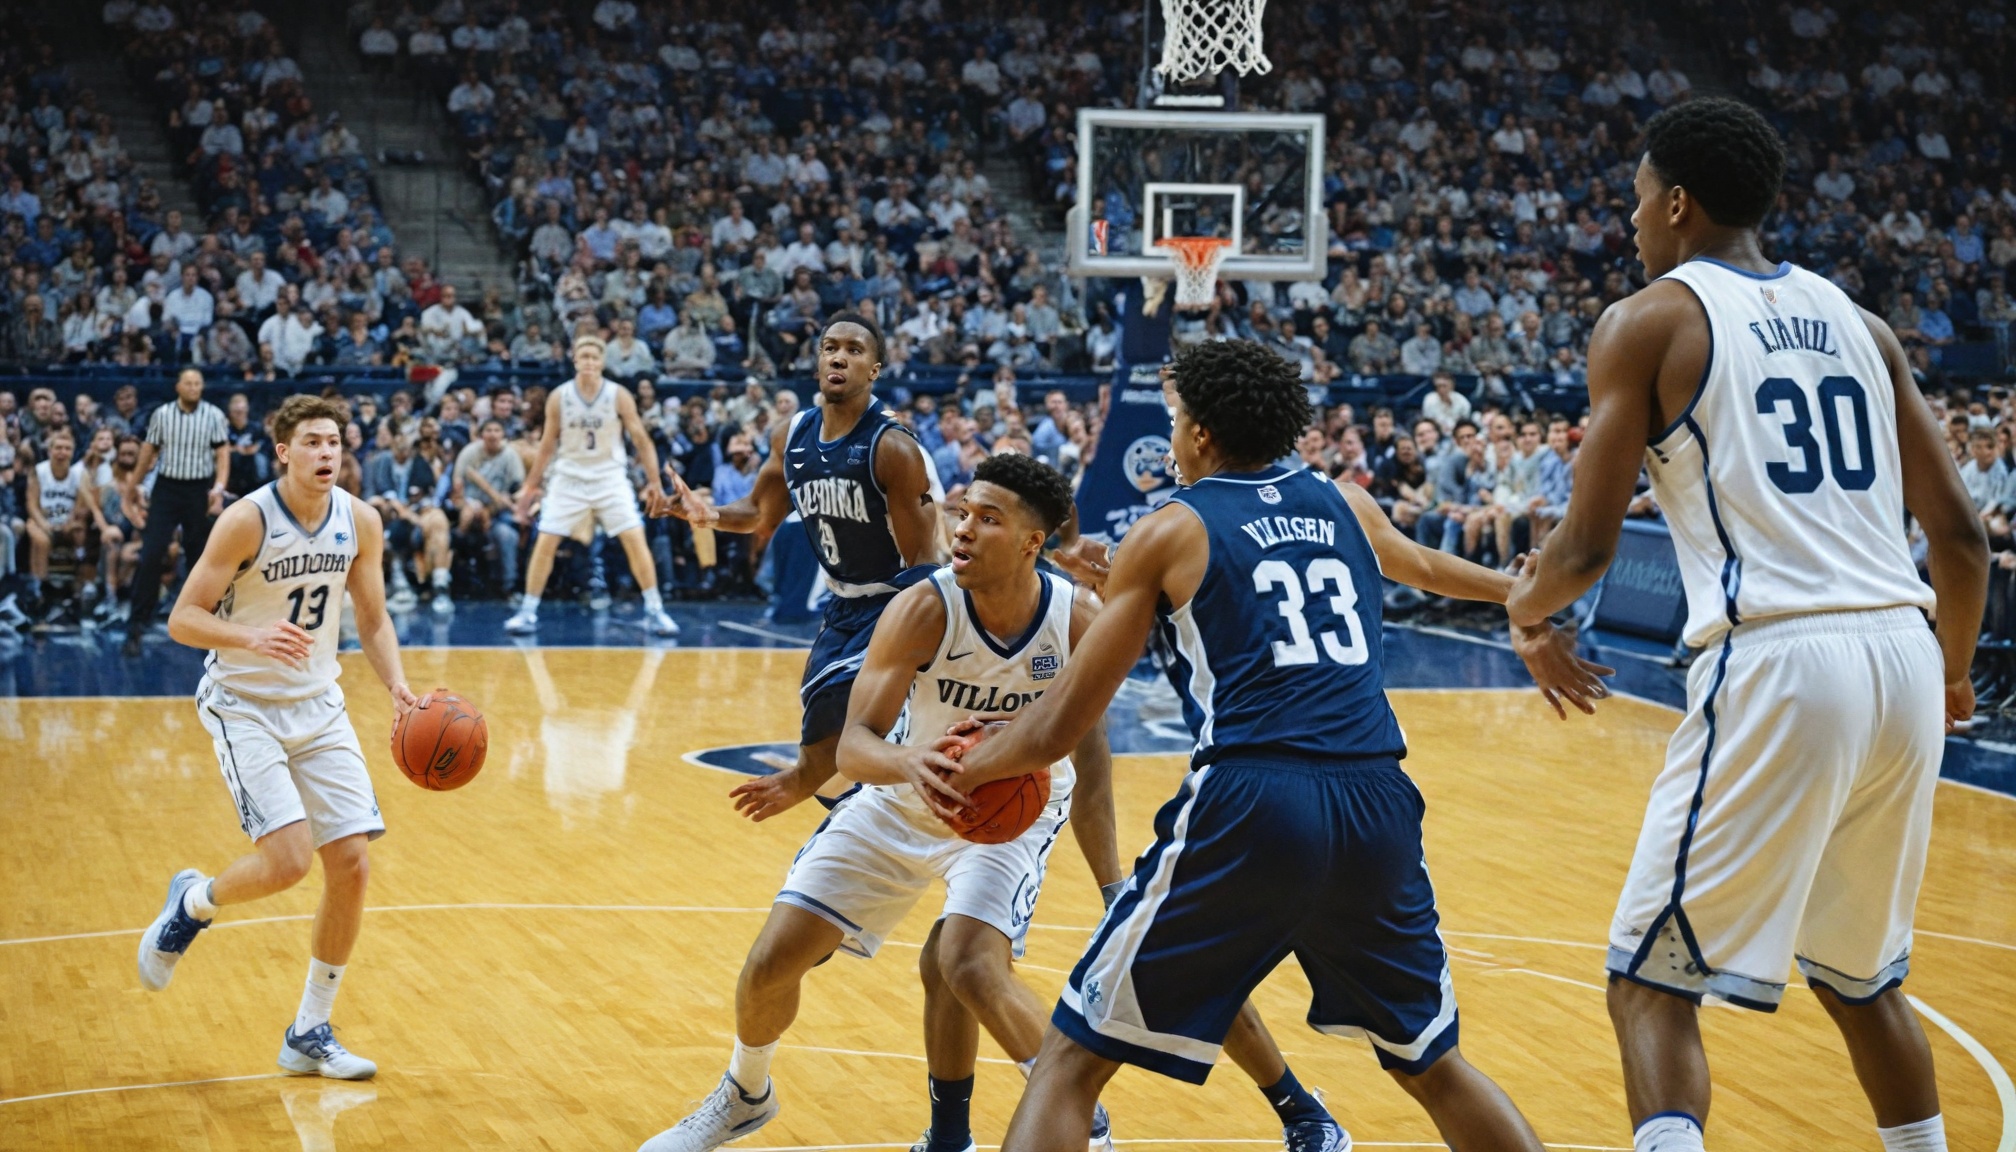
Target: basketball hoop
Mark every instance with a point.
(1196, 260)
(1202, 38)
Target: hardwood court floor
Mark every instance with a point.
(551, 956)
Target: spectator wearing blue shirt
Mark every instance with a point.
(1049, 435)
(1935, 327)
(1557, 482)
(1967, 245)
(656, 318)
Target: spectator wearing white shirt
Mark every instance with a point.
(174, 239)
(327, 201)
(1812, 20)
(379, 45)
(1667, 83)
(982, 75)
(427, 46)
(447, 327)
(1883, 77)
(613, 16)
(290, 335)
(734, 231)
(222, 137)
(189, 309)
(1444, 405)
(259, 286)
(1835, 183)
(945, 211)
(628, 358)
(803, 252)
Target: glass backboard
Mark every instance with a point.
(1254, 178)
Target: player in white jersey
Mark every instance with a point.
(586, 420)
(1786, 440)
(987, 633)
(59, 513)
(266, 598)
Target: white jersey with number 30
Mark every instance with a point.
(1781, 481)
(591, 434)
(298, 575)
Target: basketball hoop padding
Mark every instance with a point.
(1196, 260)
(1202, 38)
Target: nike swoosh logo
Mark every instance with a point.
(960, 655)
(748, 1122)
(277, 535)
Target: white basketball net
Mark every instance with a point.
(1204, 37)
(1196, 259)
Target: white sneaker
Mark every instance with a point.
(525, 622)
(726, 1114)
(319, 1053)
(402, 599)
(923, 1144)
(598, 600)
(443, 605)
(659, 623)
(171, 933)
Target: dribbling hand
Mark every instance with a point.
(284, 641)
(403, 699)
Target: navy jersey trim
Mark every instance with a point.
(1732, 564)
(281, 501)
(1035, 622)
(1783, 269)
(1701, 389)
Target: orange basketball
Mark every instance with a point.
(1002, 809)
(440, 744)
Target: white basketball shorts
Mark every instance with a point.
(289, 760)
(572, 507)
(1793, 814)
(865, 867)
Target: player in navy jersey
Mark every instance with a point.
(869, 504)
(1296, 831)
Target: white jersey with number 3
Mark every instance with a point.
(298, 575)
(1781, 481)
(591, 434)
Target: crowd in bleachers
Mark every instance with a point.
(1900, 188)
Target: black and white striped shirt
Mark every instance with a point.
(187, 441)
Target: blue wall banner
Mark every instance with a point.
(1128, 478)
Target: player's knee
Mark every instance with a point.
(1435, 1080)
(287, 859)
(972, 974)
(346, 863)
(770, 967)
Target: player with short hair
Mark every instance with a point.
(868, 501)
(988, 633)
(1786, 441)
(266, 598)
(1296, 830)
(585, 420)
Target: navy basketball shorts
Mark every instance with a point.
(834, 662)
(1252, 863)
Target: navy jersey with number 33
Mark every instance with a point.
(1280, 653)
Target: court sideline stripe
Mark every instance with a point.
(2005, 1091)
(138, 1087)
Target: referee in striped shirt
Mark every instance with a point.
(192, 441)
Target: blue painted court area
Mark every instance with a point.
(86, 662)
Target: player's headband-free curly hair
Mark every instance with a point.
(1724, 153)
(1247, 396)
(1041, 488)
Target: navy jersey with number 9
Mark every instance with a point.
(1280, 652)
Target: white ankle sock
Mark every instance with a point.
(1921, 1136)
(750, 1067)
(1668, 1132)
(318, 996)
(652, 601)
(529, 604)
(196, 901)
(440, 577)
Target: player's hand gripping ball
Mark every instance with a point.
(440, 743)
(1002, 809)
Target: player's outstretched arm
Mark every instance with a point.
(1417, 565)
(1162, 542)
(1956, 547)
(906, 638)
(234, 542)
(375, 633)
(1092, 797)
(640, 439)
(549, 443)
(913, 514)
(1627, 352)
(768, 502)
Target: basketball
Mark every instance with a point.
(1002, 809)
(440, 744)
